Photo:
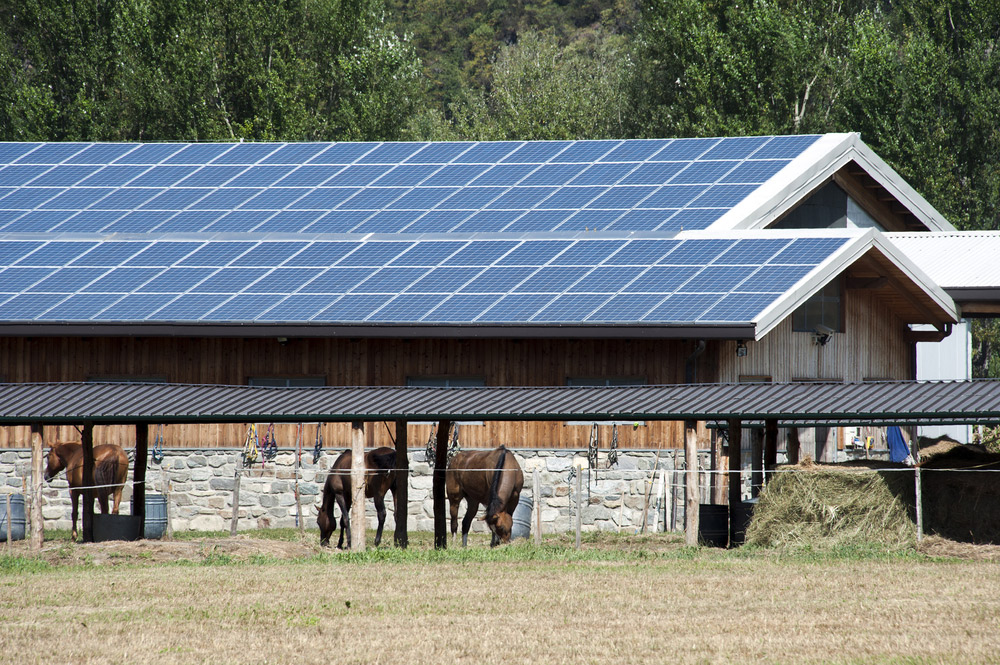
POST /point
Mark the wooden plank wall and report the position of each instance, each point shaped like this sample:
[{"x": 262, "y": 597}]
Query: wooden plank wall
[{"x": 348, "y": 362}]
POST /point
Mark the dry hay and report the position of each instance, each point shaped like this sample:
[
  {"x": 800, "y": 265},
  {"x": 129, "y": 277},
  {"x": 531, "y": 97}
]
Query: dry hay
[
  {"x": 825, "y": 506},
  {"x": 873, "y": 501}
]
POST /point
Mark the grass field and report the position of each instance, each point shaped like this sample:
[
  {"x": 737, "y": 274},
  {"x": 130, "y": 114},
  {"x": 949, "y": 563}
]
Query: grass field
[{"x": 621, "y": 599}]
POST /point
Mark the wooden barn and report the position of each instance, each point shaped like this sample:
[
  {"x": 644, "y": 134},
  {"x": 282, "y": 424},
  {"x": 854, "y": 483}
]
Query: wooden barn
[{"x": 460, "y": 264}]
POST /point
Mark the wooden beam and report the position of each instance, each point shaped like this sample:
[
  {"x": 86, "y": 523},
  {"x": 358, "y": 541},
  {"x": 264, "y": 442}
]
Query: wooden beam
[
  {"x": 735, "y": 474},
  {"x": 691, "y": 483},
  {"x": 914, "y": 336},
  {"x": 792, "y": 433},
  {"x": 139, "y": 475},
  {"x": 37, "y": 476},
  {"x": 399, "y": 497},
  {"x": 869, "y": 201},
  {"x": 756, "y": 462},
  {"x": 866, "y": 283},
  {"x": 357, "y": 486},
  {"x": 440, "y": 469},
  {"x": 88, "y": 482},
  {"x": 770, "y": 447}
]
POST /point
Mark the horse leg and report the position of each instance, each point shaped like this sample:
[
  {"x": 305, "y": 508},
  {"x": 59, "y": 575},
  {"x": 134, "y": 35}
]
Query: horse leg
[
  {"x": 467, "y": 521},
  {"x": 453, "y": 507},
  {"x": 344, "y": 503},
  {"x": 380, "y": 512},
  {"x": 74, "y": 496},
  {"x": 102, "y": 502},
  {"x": 117, "y": 500}
]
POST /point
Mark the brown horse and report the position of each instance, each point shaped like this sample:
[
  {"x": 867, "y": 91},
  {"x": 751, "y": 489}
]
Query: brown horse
[
  {"x": 380, "y": 477},
  {"x": 110, "y": 470},
  {"x": 489, "y": 477}
]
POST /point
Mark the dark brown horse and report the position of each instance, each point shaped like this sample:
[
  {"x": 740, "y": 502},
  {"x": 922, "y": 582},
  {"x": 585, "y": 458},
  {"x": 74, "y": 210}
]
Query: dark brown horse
[
  {"x": 489, "y": 477},
  {"x": 380, "y": 477},
  {"x": 110, "y": 470}
]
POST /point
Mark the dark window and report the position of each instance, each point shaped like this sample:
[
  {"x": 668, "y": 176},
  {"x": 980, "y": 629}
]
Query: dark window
[
  {"x": 825, "y": 209},
  {"x": 823, "y": 309}
]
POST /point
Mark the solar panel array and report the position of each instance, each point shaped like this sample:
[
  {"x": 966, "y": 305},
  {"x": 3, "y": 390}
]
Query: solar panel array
[
  {"x": 463, "y": 187},
  {"x": 549, "y": 232},
  {"x": 651, "y": 281}
]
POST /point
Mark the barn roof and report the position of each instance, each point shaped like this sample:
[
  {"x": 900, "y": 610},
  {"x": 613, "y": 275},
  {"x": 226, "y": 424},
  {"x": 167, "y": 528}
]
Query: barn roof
[
  {"x": 554, "y": 237},
  {"x": 890, "y": 402}
]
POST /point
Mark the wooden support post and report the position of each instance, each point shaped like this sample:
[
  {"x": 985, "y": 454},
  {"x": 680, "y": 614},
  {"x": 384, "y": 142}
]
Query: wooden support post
[
  {"x": 579, "y": 503},
  {"x": 166, "y": 494},
  {"x": 440, "y": 471},
  {"x": 37, "y": 475},
  {"x": 7, "y": 517},
  {"x": 536, "y": 500},
  {"x": 735, "y": 474},
  {"x": 718, "y": 489},
  {"x": 770, "y": 447},
  {"x": 756, "y": 461},
  {"x": 793, "y": 445},
  {"x": 918, "y": 491},
  {"x": 691, "y": 483},
  {"x": 139, "y": 475},
  {"x": 235, "y": 520},
  {"x": 358, "y": 486},
  {"x": 88, "y": 481},
  {"x": 400, "y": 497},
  {"x": 299, "y": 522}
]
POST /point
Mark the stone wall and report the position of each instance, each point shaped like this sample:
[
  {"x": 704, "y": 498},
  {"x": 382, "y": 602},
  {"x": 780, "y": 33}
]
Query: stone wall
[{"x": 201, "y": 489}]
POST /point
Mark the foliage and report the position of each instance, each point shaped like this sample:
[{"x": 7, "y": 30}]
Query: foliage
[{"x": 202, "y": 70}]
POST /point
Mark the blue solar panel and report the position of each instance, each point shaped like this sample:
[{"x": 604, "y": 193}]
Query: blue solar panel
[
  {"x": 456, "y": 175},
  {"x": 343, "y": 153},
  {"x": 553, "y": 174},
  {"x": 439, "y": 153},
  {"x": 110, "y": 254},
  {"x": 662, "y": 279},
  {"x": 516, "y": 307},
  {"x": 552, "y": 279},
  {"x": 198, "y": 220},
  {"x": 149, "y": 153},
  {"x": 10, "y": 152},
  {"x": 459, "y": 308},
  {"x": 654, "y": 173},
  {"x": 260, "y": 176},
  {"x": 488, "y": 221},
  {"x": 641, "y": 220},
  {"x": 604, "y": 279},
  {"x": 785, "y": 147},
  {"x": 337, "y": 280},
  {"x": 338, "y": 221},
  {"x": 497, "y": 280},
  {"x": 276, "y": 199},
  {"x": 357, "y": 176},
  {"x": 133, "y": 222},
  {"x": 28, "y": 306},
  {"x": 175, "y": 199},
  {"x": 81, "y": 306},
  {"x": 162, "y": 176},
  {"x": 288, "y": 221},
  {"x": 283, "y": 280},
  {"x": 683, "y": 307},
  {"x": 324, "y": 198},
  {"x": 320, "y": 254},
  {"x": 190, "y": 307},
  {"x": 487, "y": 153},
  {"x": 697, "y": 252},
  {"x": 407, "y": 307},
  {"x": 585, "y": 151},
  {"x": 90, "y": 221},
  {"x": 225, "y": 199},
  {"x": 693, "y": 219},
  {"x": 52, "y": 153},
  {"x": 390, "y": 153},
  {"x": 642, "y": 252},
  {"x": 56, "y": 254},
  {"x": 125, "y": 199},
  {"x": 111, "y": 176},
  {"x": 375, "y": 253},
  {"x": 738, "y": 307},
  {"x": 534, "y": 152},
  {"x": 702, "y": 172},
  {"x": 626, "y": 308},
  {"x": 67, "y": 280},
  {"x": 538, "y": 220},
  {"x": 752, "y": 251},
  {"x": 504, "y": 174},
  {"x": 353, "y": 308},
  {"x": 243, "y": 307},
  {"x": 684, "y": 149},
  {"x": 390, "y": 280},
  {"x": 735, "y": 148},
  {"x": 211, "y": 176},
  {"x": 421, "y": 198},
  {"x": 406, "y": 175},
  {"x": 621, "y": 197},
  {"x": 723, "y": 196},
  {"x": 756, "y": 171},
  {"x": 296, "y": 308},
  {"x": 63, "y": 176},
  {"x": 388, "y": 221},
  {"x": 76, "y": 198},
  {"x": 481, "y": 253},
  {"x": 269, "y": 254},
  {"x": 635, "y": 150},
  {"x": 15, "y": 280},
  {"x": 572, "y": 197},
  {"x": 121, "y": 280},
  {"x": 163, "y": 254},
  {"x": 604, "y": 174},
  {"x": 774, "y": 279},
  {"x": 309, "y": 176},
  {"x": 521, "y": 198},
  {"x": 175, "y": 280},
  {"x": 672, "y": 196},
  {"x": 198, "y": 153},
  {"x": 246, "y": 153},
  {"x": 717, "y": 279},
  {"x": 216, "y": 254},
  {"x": 133, "y": 307},
  {"x": 19, "y": 175},
  {"x": 438, "y": 221},
  {"x": 443, "y": 280},
  {"x": 569, "y": 308},
  {"x": 38, "y": 221},
  {"x": 295, "y": 153},
  {"x": 588, "y": 252},
  {"x": 428, "y": 253},
  {"x": 809, "y": 250},
  {"x": 28, "y": 198},
  {"x": 472, "y": 198},
  {"x": 590, "y": 220},
  {"x": 102, "y": 153}
]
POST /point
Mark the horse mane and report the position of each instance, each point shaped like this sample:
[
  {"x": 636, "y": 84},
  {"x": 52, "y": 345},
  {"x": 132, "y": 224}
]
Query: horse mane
[
  {"x": 493, "y": 507},
  {"x": 384, "y": 461}
]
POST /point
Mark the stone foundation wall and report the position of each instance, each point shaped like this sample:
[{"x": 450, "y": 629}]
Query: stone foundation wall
[{"x": 201, "y": 489}]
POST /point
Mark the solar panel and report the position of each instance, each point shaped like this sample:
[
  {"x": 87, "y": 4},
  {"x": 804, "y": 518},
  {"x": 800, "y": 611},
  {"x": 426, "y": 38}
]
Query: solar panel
[
  {"x": 229, "y": 280},
  {"x": 260, "y": 176},
  {"x": 55, "y": 254},
  {"x": 569, "y": 308},
  {"x": 121, "y": 280},
  {"x": 133, "y": 307},
  {"x": 162, "y": 176},
  {"x": 190, "y": 307},
  {"x": 739, "y": 147},
  {"x": 20, "y": 175},
  {"x": 176, "y": 280},
  {"x": 387, "y": 221},
  {"x": 26, "y": 307},
  {"x": 15, "y": 280},
  {"x": 102, "y": 153},
  {"x": 283, "y": 280},
  {"x": 81, "y": 306},
  {"x": 407, "y": 307},
  {"x": 109, "y": 176},
  {"x": 635, "y": 150},
  {"x": 443, "y": 280},
  {"x": 38, "y": 221},
  {"x": 343, "y": 153},
  {"x": 460, "y": 308},
  {"x": 243, "y": 307},
  {"x": 296, "y": 308},
  {"x": 201, "y": 220},
  {"x": 63, "y": 177}
]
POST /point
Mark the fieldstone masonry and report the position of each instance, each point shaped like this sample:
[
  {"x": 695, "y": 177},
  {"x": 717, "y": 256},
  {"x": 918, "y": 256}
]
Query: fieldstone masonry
[{"x": 202, "y": 480}]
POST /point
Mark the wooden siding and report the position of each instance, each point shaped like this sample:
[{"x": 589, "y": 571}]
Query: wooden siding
[{"x": 348, "y": 362}]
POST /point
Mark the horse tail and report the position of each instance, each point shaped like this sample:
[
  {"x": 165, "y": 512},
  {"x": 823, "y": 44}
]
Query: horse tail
[
  {"x": 495, "y": 504},
  {"x": 105, "y": 475}
]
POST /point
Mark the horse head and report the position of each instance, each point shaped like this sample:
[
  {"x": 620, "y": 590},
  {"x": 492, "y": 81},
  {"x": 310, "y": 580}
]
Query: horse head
[
  {"x": 501, "y": 525},
  {"x": 53, "y": 464}
]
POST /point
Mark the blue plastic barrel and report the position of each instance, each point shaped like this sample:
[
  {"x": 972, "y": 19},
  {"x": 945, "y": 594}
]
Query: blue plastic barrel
[
  {"x": 156, "y": 516},
  {"x": 17, "y": 523},
  {"x": 522, "y": 518}
]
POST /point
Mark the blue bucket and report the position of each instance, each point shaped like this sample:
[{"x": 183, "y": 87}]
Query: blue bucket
[
  {"x": 522, "y": 518},
  {"x": 156, "y": 516},
  {"x": 17, "y": 523}
]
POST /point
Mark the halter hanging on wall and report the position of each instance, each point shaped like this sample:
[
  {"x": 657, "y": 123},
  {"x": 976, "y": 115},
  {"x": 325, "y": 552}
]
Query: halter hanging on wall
[
  {"x": 318, "y": 444},
  {"x": 250, "y": 450},
  {"x": 157, "y": 453},
  {"x": 613, "y": 450},
  {"x": 269, "y": 448}
]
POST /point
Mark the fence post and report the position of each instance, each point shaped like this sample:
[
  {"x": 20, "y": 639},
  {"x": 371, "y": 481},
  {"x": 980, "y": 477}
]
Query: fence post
[
  {"x": 579, "y": 503},
  {"x": 233, "y": 523},
  {"x": 691, "y": 484},
  {"x": 166, "y": 493},
  {"x": 919, "y": 491},
  {"x": 37, "y": 524},
  {"x": 536, "y": 499},
  {"x": 358, "y": 486},
  {"x": 7, "y": 519}
]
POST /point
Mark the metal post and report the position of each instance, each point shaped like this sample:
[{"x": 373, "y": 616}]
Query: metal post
[
  {"x": 234, "y": 522},
  {"x": 579, "y": 503},
  {"x": 536, "y": 496},
  {"x": 357, "y": 486},
  {"x": 735, "y": 474},
  {"x": 919, "y": 490}
]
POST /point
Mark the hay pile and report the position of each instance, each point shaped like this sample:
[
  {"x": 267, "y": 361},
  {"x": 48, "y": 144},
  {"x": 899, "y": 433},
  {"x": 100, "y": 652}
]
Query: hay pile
[{"x": 826, "y": 506}]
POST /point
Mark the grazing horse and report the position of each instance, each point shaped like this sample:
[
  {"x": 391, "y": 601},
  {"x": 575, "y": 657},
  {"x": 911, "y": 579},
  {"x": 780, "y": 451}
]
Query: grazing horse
[
  {"x": 110, "y": 470},
  {"x": 380, "y": 477},
  {"x": 489, "y": 477}
]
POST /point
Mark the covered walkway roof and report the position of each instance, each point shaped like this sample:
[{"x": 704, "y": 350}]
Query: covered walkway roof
[{"x": 890, "y": 402}]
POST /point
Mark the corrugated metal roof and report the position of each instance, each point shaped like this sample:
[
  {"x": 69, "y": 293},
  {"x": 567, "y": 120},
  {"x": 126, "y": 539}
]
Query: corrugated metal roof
[
  {"x": 897, "y": 402},
  {"x": 955, "y": 260}
]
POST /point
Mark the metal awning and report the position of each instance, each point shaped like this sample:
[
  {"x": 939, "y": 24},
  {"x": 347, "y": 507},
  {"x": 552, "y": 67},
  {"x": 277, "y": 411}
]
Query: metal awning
[{"x": 889, "y": 402}]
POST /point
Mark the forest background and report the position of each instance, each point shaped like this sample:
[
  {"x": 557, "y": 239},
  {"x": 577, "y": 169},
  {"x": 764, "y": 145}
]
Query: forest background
[{"x": 919, "y": 79}]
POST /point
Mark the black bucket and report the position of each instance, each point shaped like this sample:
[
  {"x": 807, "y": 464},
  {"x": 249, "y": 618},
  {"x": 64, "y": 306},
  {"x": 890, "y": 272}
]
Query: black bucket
[
  {"x": 115, "y": 527},
  {"x": 17, "y": 523},
  {"x": 156, "y": 516},
  {"x": 713, "y": 525},
  {"x": 741, "y": 520},
  {"x": 522, "y": 518}
]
